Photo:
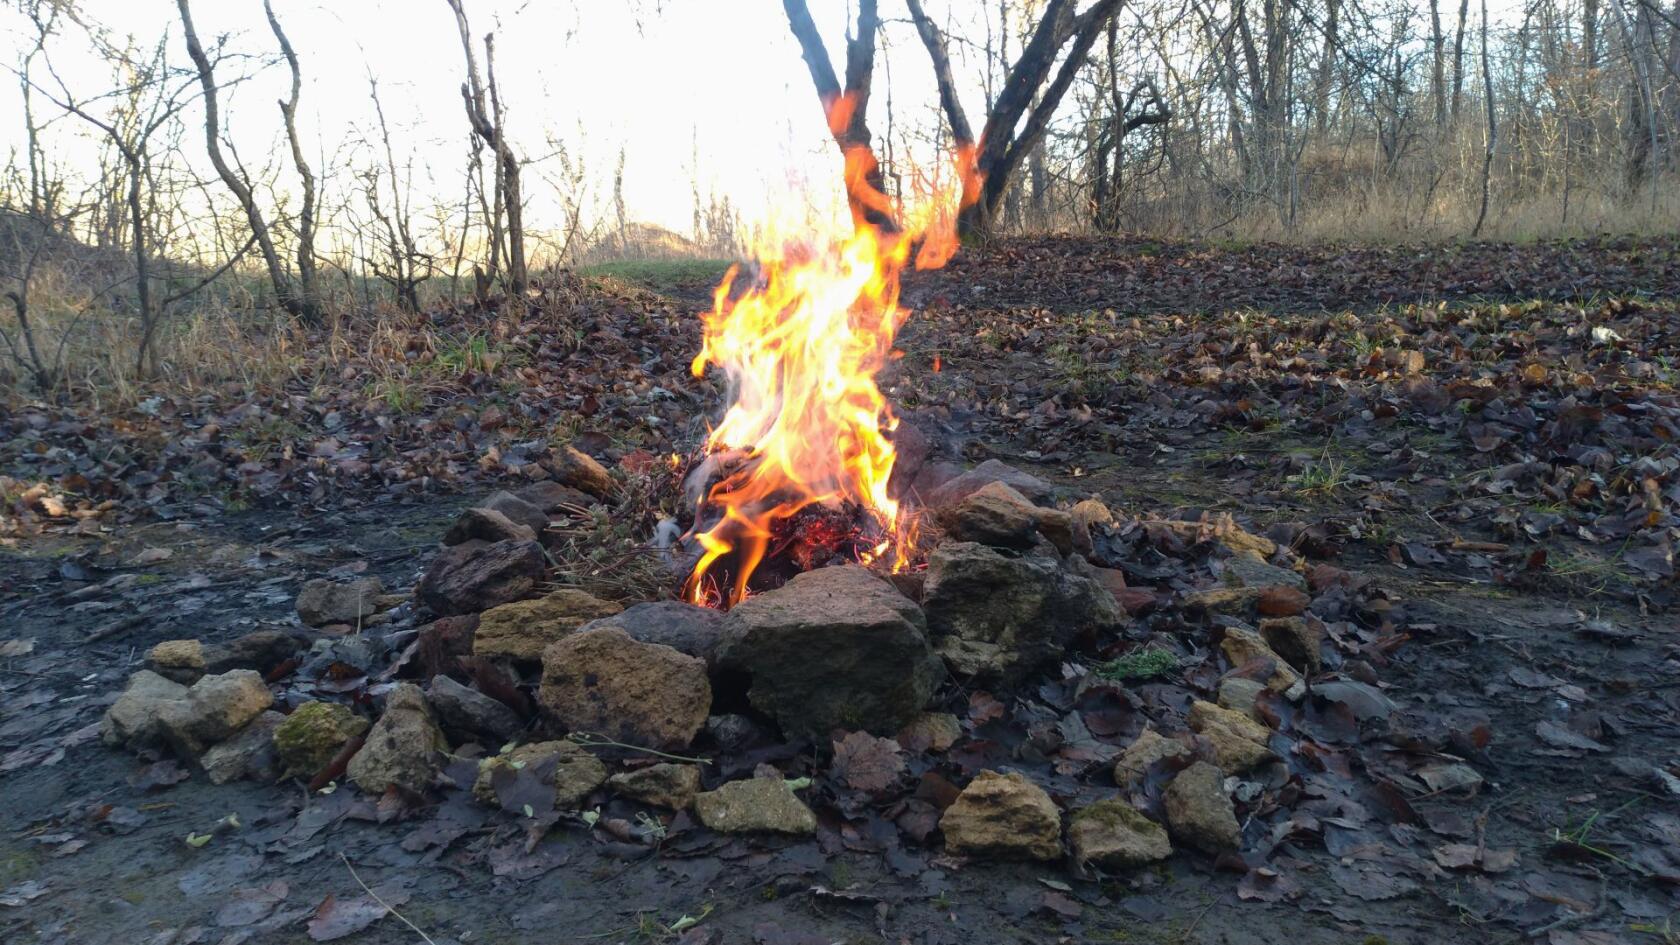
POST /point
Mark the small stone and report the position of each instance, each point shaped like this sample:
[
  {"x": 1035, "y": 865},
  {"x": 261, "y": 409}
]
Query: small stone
[
  {"x": 662, "y": 785},
  {"x": 1087, "y": 517},
  {"x": 442, "y": 643},
  {"x": 1240, "y": 542},
  {"x": 962, "y": 486},
  {"x": 312, "y": 736},
  {"x": 322, "y": 602},
  {"x": 1056, "y": 526},
  {"x": 1004, "y": 816},
  {"x": 518, "y": 511},
  {"x": 133, "y": 720},
  {"x": 1238, "y": 694},
  {"x": 756, "y": 805},
  {"x": 1199, "y": 812},
  {"x": 732, "y": 731},
  {"x": 475, "y": 576},
  {"x": 574, "y": 772},
  {"x": 467, "y": 715},
  {"x": 404, "y": 749},
  {"x": 550, "y": 496},
  {"x": 1149, "y": 747},
  {"x": 580, "y": 471},
  {"x": 1280, "y": 601},
  {"x": 1242, "y": 647},
  {"x": 930, "y": 731},
  {"x": 1296, "y": 641},
  {"x": 993, "y": 515},
  {"x": 477, "y": 524},
  {"x": 1247, "y": 569},
  {"x": 684, "y": 627},
  {"x": 1114, "y": 835},
  {"x": 1226, "y": 601},
  {"x": 605, "y": 683},
  {"x": 214, "y": 709},
  {"x": 179, "y": 660},
  {"x": 249, "y": 754},
  {"x": 1239, "y": 743},
  {"x": 521, "y": 630},
  {"x": 259, "y": 650}
]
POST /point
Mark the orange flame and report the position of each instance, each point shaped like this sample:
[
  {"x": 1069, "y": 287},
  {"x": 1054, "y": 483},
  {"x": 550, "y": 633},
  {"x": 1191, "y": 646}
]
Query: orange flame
[{"x": 801, "y": 348}]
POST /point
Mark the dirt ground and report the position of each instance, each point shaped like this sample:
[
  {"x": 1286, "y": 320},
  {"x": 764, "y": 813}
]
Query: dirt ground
[{"x": 1535, "y": 644}]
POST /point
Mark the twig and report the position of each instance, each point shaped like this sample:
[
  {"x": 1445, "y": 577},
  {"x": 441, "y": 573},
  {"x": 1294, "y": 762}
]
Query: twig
[
  {"x": 591, "y": 740},
  {"x": 388, "y": 907},
  {"x": 1578, "y": 917}
]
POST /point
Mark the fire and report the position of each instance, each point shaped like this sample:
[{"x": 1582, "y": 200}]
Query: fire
[{"x": 801, "y": 347}]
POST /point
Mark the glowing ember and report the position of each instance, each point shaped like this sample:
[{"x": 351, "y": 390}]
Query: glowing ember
[{"x": 806, "y": 425}]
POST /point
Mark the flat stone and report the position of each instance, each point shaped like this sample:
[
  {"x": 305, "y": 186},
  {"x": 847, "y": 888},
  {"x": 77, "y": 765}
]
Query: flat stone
[
  {"x": 570, "y": 768},
  {"x": 476, "y": 576},
  {"x": 684, "y": 627},
  {"x": 404, "y": 749},
  {"x": 250, "y": 753},
  {"x": 1281, "y": 601},
  {"x": 550, "y": 496},
  {"x": 1296, "y": 641},
  {"x": 1238, "y": 694},
  {"x": 1239, "y": 743},
  {"x": 1149, "y": 747},
  {"x": 1226, "y": 601},
  {"x": 520, "y": 631},
  {"x": 1114, "y": 835},
  {"x": 993, "y": 514},
  {"x": 756, "y": 805},
  {"x": 467, "y": 715},
  {"x": 578, "y": 470},
  {"x": 312, "y": 736},
  {"x": 1002, "y": 618},
  {"x": 833, "y": 648},
  {"x": 1003, "y": 816},
  {"x": 1247, "y": 569},
  {"x": 1199, "y": 812},
  {"x": 179, "y": 660},
  {"x": 214, "y": 709},
  {"x": 322, "y": 602},
  {"x": 662, "y": 785},
  {"x": 489, "y": 525},
  {"x": 259, "y": 650},
  {"x": 1242, "y": 647},
  {"x": 133, "y": 720},
  {"x": 518, "y": 511},
  {"x": 962, "y": 486},
  {"x": 930, "y": 731},
  {"x": 605, "y": 683}
]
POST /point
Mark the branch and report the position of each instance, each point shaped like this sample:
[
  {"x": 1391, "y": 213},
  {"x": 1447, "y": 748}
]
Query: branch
[{"x": 935, "y": 43}]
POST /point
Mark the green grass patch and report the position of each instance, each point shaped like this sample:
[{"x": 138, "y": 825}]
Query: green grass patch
[
  {"x": 1139, "y": 665},
  {"x": 660, "y": 275}
]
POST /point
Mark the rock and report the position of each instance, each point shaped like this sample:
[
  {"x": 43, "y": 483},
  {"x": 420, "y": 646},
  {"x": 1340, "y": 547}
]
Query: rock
[
  {"x": 1199, "y": 812},
  {"x": 1224, "y": 601},
  {"x": 580, "y": 471},
  {"x": 1002, "y": 618},
  {"x": 404, "y": 749},
  {"x": 521, "y": 630},
  {"x": 1003, "y": 816},
  {"x": 732, "y": 731},
  {"x": 249, "y": 754},
  {"x": 1296, "y": 641},
  {"x": 1238, "y": 694},
  {"x": 550, "y": 496},
  {"x": 518, "y": 511},
  {"x": 1240, "y": 542},
  {"x": 260, "y": 650},
  {"x": 1239, "y": 743},
  {"x": 605, "y": 683},
  {"x": 1056, "y": 526},
  {"x": 662, "y": 785},
  {"x": 572, "y": 770},
  {"x": 1245, "y": 646},
  {"x": 178, "y": 660},
  {"x": 756, "y": 805},
  {"x": 362, "y": 652},
  {"x": 1087, "y": 517},
  {"x": 133, "y": 719},
  {"x": 213, "y": 710},
  {"x": 930, "y": 731},
  {"x": 993, "y": 514},
  {"x": 467, "y": 715},
  {"x": 955, "y": 490},
  {"x": 1282, "y": 601},
  {"x": 488, "y": 525},
  {"x": 475, "y": 576},
  {"x": 1149, "y": 747},
  {"x": 312, "y": 736},
  {"x": 1135, "y": 600},
  {"x": 1250, "y": 570},
  {"x": 322, "y": 602},
  {"x": 833, "y": 648},
  {"x": 684, "y": 627},
  {"x": 442, "y": 642},
  {"x": 1114, "y": 835}
]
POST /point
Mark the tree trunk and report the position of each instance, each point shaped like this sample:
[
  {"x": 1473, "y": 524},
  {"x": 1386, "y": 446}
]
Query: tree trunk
[
  {"x": 1437, "y": 64},
  {"x": 484, "y": 115},
  {"x": 308, "y": 293},
  {"x": 846, "y": 108},
  {"x": 1487, "y": 154},
  {"x": 1458, "y": 61}
]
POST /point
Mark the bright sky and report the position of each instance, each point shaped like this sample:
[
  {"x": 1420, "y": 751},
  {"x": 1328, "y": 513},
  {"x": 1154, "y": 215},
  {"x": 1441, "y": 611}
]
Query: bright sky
[{"x": 660, "y": 79}]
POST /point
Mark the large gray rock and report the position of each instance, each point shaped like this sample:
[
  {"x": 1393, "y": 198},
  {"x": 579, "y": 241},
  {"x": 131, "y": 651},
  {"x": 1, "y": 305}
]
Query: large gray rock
[
  {"x": 1199, "y": 812},
  {"x": 248, "y": 754},
  {"x": 478, "y": 524},
  {"x": 520, "y": 631},
  {"x": 475, "y": 576},
  {"x": 133, "y": 720},
  {"x": 404, "y": 749},
  {"x": 756, "y": 805},
  {"x": 682, "y": 626},
  {"x": 1113, "y": 834},
  {"x": 467, "y": 715},
  {"x": 1000, "y": 617},
  {"x": 1004, "y": 816},
  {"x": 214, "y": 709},
  {"x": 605, "y": 683},
  {"x": 322, "y": 602},
  {"x": 518, "y": 511},
  {"x": 833, "y": 648}
]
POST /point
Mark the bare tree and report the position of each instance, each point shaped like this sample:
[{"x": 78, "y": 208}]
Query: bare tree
[
  {"x": 404, "y": 266},
  {"x": 1487, "y": 154},
  {"x": 308, "y": 293},
  {"x": 485, "y": 114}
]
